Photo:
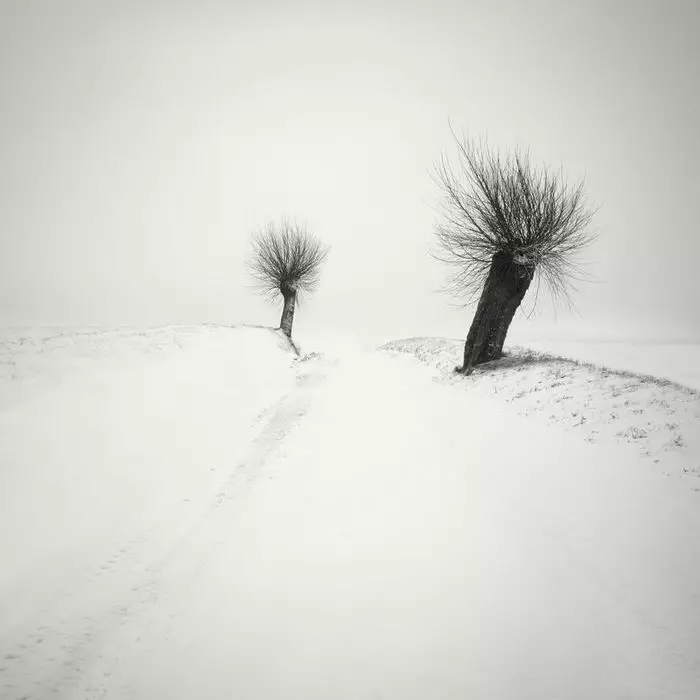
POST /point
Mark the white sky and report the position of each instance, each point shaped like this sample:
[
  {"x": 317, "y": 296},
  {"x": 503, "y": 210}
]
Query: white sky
[{"x": 141, "y": 141}]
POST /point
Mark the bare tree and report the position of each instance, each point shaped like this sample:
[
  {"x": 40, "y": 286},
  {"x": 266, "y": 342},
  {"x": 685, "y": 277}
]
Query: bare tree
[
  {"x": 505, "y": 223},
  {"x": 286, "y": 260}
]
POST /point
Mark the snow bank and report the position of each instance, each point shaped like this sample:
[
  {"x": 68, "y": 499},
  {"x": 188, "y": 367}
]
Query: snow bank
[
  {"x": 678, "y": 362},
  {"x": 103, "y": 432},
  {"x": 655, "y": 419}
]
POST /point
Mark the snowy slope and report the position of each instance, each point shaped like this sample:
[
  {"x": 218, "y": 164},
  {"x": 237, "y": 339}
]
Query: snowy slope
[
  {"x": 105, "y": 435},
  {"x": 679, "y": 362},
  {"x": 657, "y": 421},
  {"x": 373, "y": 527}
]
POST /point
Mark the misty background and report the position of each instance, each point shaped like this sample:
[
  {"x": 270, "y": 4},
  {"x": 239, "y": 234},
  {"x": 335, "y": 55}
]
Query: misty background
[{"x": 142, "y": 141}]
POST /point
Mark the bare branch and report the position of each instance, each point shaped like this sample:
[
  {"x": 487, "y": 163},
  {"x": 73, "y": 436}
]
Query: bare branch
[
  {"x": 285, "y": 258},
  {"x": 503, "y": 204}
]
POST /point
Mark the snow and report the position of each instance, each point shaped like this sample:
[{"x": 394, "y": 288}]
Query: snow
[
  {"x": 678, "y": 362},
  {"x": 202, "y": 514},
  {"x": 118, "y": 446},
  {"x": 656, "y": 420}
]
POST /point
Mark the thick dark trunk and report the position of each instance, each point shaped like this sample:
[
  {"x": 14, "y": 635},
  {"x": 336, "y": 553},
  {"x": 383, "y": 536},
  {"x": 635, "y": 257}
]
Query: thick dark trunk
[
  {"x": 504, "y": 290},
  {"x": 290, "y": 300},
  {"x": 475, "y": 328},
  {"x": 508, "y": 315}
]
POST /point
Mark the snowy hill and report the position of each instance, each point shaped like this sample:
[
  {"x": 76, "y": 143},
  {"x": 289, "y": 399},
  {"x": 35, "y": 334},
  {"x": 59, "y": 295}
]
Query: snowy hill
[
  {"x": 677, "y": 362},
  {"x": 107, "y": 433},
  {"x": 656, "y": 419},
  {"x": 193, "y": 512}
]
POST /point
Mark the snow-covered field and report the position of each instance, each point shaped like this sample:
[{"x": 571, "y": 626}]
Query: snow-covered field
[
  {"x": 106, "y": 435},
  {"x": 195, "y": 512}
]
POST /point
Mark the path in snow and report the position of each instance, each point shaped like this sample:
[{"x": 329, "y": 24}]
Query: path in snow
[{"x": 387, "y": 537}]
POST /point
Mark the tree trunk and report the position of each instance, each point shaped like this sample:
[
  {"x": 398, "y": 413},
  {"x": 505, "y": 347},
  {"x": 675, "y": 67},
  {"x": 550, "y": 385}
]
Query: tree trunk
[
  {"x": 504, "y": 290},
  {"x": 290, "y": 300}
]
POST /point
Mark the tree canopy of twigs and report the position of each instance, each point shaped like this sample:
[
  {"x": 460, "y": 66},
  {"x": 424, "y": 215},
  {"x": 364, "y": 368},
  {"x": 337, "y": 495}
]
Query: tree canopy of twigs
[
  {"x": 285, "y": 259},
  {"x": 493, "y": 203}
]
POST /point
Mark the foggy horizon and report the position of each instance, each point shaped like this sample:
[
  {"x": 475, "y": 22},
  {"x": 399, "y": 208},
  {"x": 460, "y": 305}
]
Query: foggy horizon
[{"x": 143, "y": 143}]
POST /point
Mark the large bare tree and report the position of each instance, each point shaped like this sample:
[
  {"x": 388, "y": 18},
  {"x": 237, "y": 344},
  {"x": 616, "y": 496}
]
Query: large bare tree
[
  {"x": 505, "y": 223},
  {"x": 286, "y": 260}
]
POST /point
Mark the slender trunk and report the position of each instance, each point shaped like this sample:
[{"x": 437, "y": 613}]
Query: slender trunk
[
  {"x": 290, "y": 300},
  {"x": 504, "y": 290}
]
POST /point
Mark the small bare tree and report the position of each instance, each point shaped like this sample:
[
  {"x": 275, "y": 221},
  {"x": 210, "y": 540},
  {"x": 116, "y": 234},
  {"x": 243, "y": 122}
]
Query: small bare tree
[
  {"x": 503, "y": 224},
  {"x": 286, "y": 260}
]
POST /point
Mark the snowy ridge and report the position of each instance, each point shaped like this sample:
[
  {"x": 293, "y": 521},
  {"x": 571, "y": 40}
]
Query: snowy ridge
[
  {"x": 36, "y": 359},
  {"x": 657, "y": 418},
  {"x": 677, "y": 362}
]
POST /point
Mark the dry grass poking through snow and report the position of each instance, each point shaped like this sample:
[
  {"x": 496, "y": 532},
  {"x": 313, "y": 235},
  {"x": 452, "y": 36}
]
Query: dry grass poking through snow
[{"x": 657, "y": 418}]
